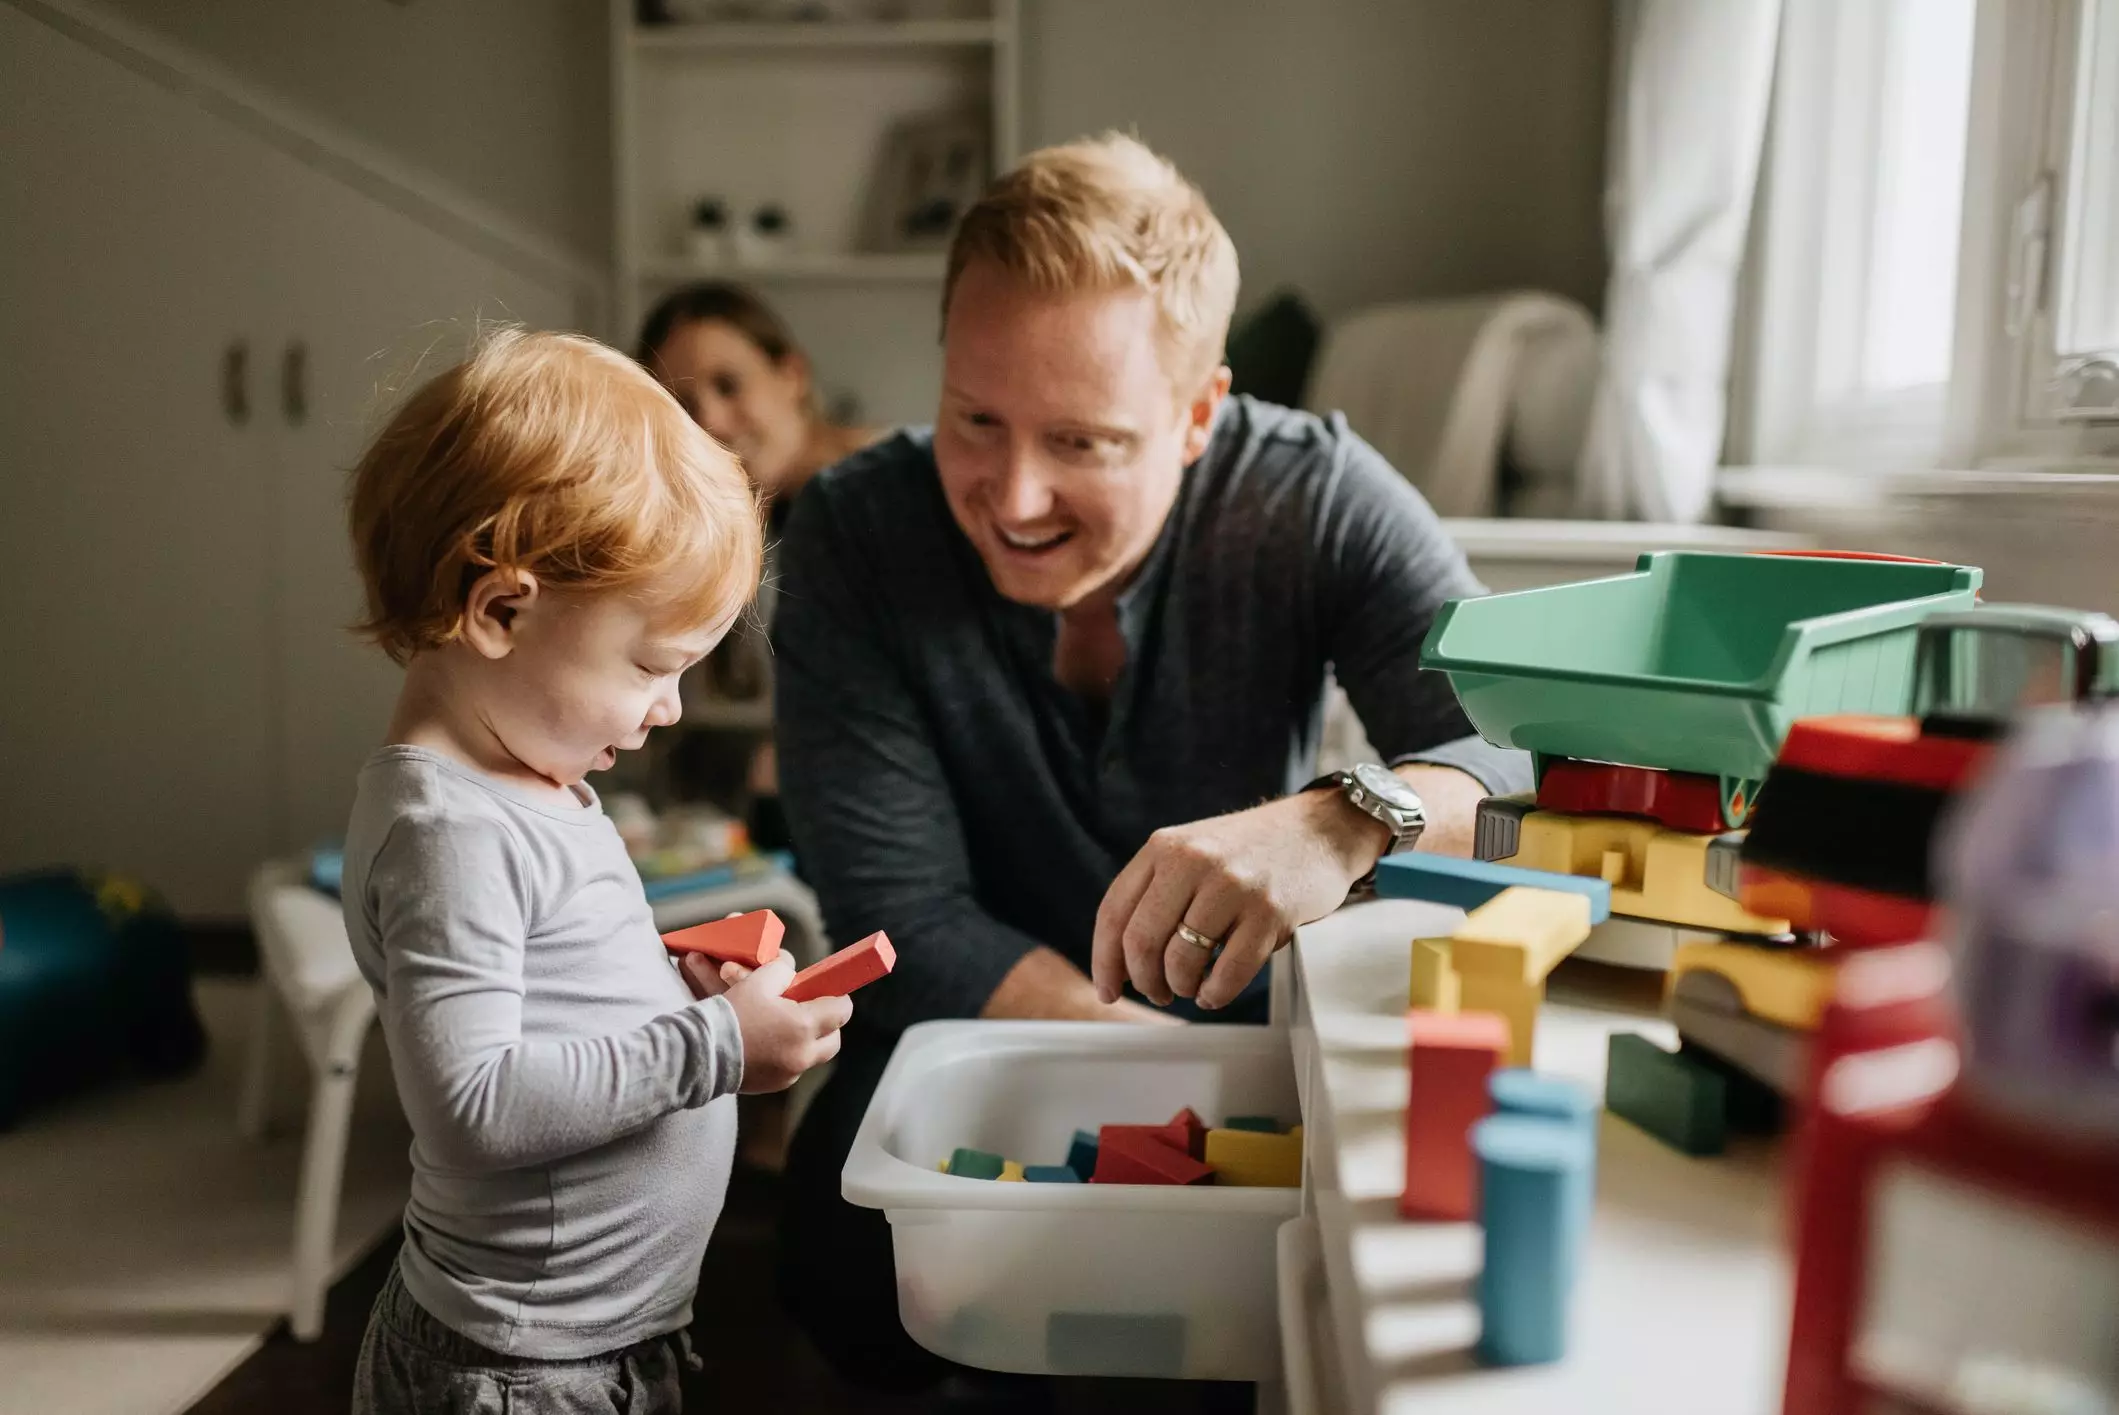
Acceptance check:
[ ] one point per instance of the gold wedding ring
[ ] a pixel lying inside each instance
(1196, 938)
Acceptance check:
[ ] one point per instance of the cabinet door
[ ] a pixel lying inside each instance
(377, 302)
(133, 526)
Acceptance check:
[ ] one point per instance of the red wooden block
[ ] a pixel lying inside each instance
(1140, 1154)
(1452, 1055)
(1187, 1132)
(1676, 800)
(751, 939)
(852, 967)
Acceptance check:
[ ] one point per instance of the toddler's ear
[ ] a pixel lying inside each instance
(494, 608)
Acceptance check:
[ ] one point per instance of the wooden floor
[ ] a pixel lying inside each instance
(756, 1361)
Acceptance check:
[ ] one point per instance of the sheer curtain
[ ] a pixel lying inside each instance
(1688, 119)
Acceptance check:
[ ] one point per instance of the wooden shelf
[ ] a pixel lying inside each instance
(820, 34)
(916, 267)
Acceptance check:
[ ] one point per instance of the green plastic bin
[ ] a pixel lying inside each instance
(1696, 661)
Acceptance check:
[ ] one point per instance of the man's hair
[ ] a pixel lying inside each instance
(554, 455)
(1107, 213)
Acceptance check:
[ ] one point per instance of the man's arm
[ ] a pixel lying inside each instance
(872, 812)
(1382, 567)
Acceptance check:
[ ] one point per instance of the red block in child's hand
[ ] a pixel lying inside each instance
(1187, 1132)
(849, 968)
(751, 939)
(1143, 1154)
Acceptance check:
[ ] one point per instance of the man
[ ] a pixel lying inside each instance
(1051, 678)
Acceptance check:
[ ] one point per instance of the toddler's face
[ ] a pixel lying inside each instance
(586, 678)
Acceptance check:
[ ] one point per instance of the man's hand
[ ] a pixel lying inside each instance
(1247, 881)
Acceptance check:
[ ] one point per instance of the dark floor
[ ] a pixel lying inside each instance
(755, 1359)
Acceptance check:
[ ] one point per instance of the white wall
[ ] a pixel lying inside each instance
(1359, 150)
(506, 100)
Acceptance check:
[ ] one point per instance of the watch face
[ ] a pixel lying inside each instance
(1387, 786)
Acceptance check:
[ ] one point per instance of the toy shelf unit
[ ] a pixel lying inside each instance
(820, 151)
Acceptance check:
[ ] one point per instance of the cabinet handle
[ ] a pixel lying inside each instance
(294, 383)
(235, 382)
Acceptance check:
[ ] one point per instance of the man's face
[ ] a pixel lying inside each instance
(1061, 437)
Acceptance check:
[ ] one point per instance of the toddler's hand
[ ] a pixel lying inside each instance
(705, 979)
(781, 1039)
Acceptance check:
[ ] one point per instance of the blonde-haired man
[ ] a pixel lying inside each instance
(1039, 667)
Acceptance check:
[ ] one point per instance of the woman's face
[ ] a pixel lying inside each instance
(756, 408)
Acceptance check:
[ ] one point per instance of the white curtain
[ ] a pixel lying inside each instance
(1690, 90)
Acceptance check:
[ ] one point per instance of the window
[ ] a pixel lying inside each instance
(1854, 259)
(1933, 277)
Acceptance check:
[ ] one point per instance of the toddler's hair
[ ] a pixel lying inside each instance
(554, 455)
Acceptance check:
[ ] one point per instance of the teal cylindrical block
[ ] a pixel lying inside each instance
(1530, 1167)
(1521, 1091)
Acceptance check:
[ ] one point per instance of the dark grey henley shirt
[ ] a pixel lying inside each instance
(942, 786)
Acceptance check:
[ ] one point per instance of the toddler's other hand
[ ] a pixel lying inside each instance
(702, 978)
(781, 1039)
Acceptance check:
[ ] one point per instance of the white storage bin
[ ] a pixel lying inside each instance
(1076, 1279)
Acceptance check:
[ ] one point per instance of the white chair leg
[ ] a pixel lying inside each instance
(316, 1206)
(324, 1162)
(253, 1115)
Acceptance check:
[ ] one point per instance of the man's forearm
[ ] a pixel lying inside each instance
(1044, 986)
(1452, 799)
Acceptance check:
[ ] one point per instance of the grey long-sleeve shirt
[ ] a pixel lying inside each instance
(941, 785)
(570, 1142)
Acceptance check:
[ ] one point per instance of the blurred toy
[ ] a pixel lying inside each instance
(752, 939)
(1532, 1169)
(855, 966)
(1957, 1184)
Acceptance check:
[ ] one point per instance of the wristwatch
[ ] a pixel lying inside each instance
(1375, 790)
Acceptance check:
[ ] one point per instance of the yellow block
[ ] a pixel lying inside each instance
(941, 1166)
(1521, 932)
(1010, 1170)
(1789, 986)
(1655, 874)
(1252, 1159)
(1515, 1000)
(1434, 979)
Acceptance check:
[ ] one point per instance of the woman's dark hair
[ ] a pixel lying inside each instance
(715, 300)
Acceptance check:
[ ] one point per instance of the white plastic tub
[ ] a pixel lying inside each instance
(1067, 1279)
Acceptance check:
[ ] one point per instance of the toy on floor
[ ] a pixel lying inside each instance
(1249, 1151)
(1957, 1181)
(95, 983)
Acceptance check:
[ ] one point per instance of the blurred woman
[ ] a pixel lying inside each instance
(732, 363)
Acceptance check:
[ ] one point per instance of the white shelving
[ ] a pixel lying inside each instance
(859, 267)
(795, 114)
(680, 38)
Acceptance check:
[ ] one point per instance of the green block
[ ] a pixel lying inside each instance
(1264, 1124)
(1673, 1097)
(975, 1164)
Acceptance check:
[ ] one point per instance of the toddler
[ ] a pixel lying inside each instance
(547, 541)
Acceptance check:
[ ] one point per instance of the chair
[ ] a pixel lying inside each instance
(308, 978)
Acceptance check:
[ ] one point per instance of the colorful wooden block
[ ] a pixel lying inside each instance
(1518, 1091)
(751, 939)
(1517, 1002)
(1050, 1174)
(1136, 1154)
(1435, 985)
(1650, 872)
(967, 1163)
(1081, 1154)
(852, 967)
(1680, 800)
(1264, 1123)
(1530, 1170)
(1451, 1056)
(1187, 1132)
(1673, 1097)
(1011, 1172)
(1520, 933)
(1445, 879)
(1251, 1159)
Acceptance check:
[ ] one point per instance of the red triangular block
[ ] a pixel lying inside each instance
(1139, 1154)
(1187, 1132)
(751, 939)
(849, 968)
